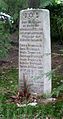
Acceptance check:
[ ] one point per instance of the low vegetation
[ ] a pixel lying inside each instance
(8, 108)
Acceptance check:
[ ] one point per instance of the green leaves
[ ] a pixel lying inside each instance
(57, 85)
(4, 40)
(3, 5)
(45, 3)
(56, 12)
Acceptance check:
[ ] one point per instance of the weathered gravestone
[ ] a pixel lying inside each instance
(35, 50)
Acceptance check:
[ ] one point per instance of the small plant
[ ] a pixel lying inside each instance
(22, 95)
(57, 85)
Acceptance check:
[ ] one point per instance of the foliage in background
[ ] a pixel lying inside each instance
(56, 12)
(3, 5)
(11, 8)
(4, 39)
(44, 3)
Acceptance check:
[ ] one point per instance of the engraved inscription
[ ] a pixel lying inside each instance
(34, 49)
(31, 42)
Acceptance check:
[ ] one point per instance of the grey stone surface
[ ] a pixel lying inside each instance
(35, 50)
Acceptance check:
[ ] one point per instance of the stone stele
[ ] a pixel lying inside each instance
(35, 51)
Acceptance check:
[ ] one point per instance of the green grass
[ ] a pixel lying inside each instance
(11, 111)
(9, 81)
(8, 110)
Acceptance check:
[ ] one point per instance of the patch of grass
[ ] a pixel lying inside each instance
(8, 110)
(57, 80)
(57, 84)
(11, 111)
(9, 81)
